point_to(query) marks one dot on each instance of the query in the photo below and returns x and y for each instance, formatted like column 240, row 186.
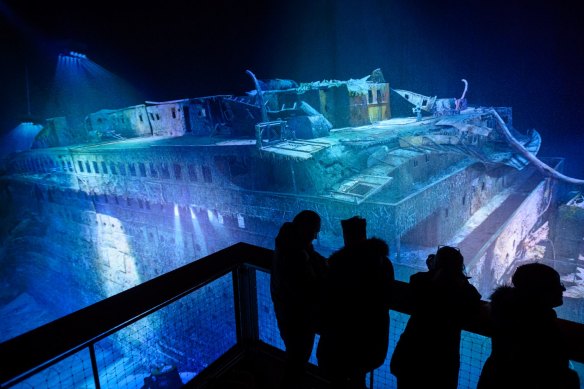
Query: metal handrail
column 42, row 347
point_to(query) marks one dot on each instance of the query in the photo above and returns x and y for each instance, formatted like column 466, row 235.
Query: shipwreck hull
column 108, row 235
column 79, row 224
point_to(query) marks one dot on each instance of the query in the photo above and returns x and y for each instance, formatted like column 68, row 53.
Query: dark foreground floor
column 259, row 368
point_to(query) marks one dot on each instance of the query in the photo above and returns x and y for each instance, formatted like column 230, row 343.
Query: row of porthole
column 129, row 201
column 45, row 165
column 70, row 216
column 40, row 165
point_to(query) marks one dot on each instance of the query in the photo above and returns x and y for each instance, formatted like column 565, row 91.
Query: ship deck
column 383, row 132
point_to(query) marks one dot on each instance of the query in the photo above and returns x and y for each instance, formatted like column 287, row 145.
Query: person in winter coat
column 528, row 349
column 357, row 294
column 298, row 273
column 427, row 354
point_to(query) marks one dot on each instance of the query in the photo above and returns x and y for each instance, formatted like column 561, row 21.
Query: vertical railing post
column 94, row 365
column 246, row 304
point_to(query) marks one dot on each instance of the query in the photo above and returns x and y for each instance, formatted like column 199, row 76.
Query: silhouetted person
column 528, row 350
column 427, row 354
column 296, row 285
column 430, row 262
column 355, row 329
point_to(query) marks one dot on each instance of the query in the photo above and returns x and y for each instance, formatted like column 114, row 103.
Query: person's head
column 449, row 260
column 378, row 247
column 354, row 230
column 307, row 224
column 287, row 238
column 539, row 283
column 430, row 261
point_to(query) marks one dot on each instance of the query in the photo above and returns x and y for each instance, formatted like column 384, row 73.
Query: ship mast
column 260, row 97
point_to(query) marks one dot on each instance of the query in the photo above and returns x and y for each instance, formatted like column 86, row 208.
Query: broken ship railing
column 226, row 296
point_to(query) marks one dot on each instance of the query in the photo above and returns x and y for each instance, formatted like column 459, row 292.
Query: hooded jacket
column 356, row 307
column 528, row 349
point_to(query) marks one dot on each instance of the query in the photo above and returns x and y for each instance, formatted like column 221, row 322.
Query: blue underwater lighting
column 126, row 207
column 71, row 56
column 81, row 87
column 75, row 54
column 20, row 138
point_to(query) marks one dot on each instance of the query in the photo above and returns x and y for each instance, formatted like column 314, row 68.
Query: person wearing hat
column 355, row 326
column 427, row 354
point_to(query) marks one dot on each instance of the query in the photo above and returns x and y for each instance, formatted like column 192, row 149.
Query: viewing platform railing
column 199, row 319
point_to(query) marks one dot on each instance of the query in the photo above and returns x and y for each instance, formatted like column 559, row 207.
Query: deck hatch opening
column 360, row 189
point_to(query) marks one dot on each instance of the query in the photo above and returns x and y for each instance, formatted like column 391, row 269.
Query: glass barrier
column 72, row 372
column 172, row 344
column 179, row 340
column 474, row 349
